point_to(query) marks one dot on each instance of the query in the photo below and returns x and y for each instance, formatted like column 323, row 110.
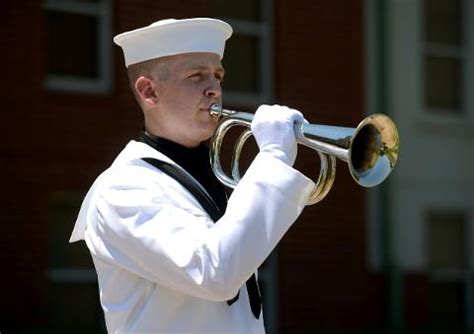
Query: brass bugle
column 370, row 150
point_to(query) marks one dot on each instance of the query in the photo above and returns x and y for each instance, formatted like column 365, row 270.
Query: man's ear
column 145, row 88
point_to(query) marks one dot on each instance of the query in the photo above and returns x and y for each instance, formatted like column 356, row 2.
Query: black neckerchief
column 194, row 160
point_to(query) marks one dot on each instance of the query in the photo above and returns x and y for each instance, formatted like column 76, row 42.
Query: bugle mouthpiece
column 216, row 110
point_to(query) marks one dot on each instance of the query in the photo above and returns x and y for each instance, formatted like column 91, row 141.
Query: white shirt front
column 163, row 265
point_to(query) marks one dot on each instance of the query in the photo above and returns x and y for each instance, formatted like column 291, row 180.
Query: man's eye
column 196, row 76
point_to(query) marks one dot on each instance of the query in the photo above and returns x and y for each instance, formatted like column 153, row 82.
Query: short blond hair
column 156, row 69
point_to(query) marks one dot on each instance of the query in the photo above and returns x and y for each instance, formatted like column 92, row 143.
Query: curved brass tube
column 370, row 150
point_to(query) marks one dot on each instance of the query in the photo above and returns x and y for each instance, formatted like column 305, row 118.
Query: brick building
column 68, row 110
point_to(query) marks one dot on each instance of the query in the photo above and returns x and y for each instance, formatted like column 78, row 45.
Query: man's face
column 193, row 83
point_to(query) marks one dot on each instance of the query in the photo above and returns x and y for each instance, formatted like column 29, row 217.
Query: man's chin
column 208, row 135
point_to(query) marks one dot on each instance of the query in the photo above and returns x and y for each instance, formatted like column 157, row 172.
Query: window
column 78, row 45
column 73, row 293
column 445, row 54
column 248, row 56
column 447, row 257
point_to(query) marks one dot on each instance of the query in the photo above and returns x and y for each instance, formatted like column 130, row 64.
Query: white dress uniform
column 163, row 265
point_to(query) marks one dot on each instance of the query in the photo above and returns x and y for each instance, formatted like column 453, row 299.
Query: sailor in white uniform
column 165, row 263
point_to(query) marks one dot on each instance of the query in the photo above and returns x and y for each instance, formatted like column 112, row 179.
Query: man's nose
column 214, row 89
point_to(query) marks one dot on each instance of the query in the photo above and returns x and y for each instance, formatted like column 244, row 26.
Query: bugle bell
column 370, row 150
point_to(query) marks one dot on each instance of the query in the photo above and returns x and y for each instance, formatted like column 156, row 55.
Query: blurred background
column 395, row 259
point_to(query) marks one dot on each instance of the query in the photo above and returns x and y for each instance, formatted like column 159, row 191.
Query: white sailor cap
column 171, row 37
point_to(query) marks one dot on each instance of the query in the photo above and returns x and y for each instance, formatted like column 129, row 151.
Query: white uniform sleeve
column 140, row 230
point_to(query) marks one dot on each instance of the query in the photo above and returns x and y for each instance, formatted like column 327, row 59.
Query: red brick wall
column 22, row 252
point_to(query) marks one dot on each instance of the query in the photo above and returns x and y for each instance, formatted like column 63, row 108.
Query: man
column 163, row 264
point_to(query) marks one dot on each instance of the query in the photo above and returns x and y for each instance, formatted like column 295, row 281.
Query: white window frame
column 464, row 275
column 102, row 11
column 459, row 120
column 71, row 274
column 76, row 276
column 263, row 31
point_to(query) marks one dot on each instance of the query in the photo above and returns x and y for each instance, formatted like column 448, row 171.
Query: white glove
column 273, row 129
